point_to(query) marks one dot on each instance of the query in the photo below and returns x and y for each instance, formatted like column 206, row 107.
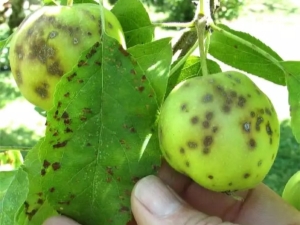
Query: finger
column 153, row 202
column 60, row 220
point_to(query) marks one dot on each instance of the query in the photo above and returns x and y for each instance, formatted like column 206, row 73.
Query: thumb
column 155, row 203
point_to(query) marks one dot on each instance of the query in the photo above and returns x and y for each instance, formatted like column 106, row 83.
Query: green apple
column 221, row 130
column 49, row 43
column 291, row 192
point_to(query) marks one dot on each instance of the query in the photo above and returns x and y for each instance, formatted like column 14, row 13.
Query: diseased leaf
column 155, row 57
column 240, row 56
column 135, row 22
column 13, row 192
column 99, row 138
column 36, row 207
column 191, row 68
column 293, row 83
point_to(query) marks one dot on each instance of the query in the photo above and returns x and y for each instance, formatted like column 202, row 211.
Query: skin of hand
column 175, row 199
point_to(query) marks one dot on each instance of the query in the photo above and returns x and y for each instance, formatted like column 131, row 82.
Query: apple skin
column 49, row 42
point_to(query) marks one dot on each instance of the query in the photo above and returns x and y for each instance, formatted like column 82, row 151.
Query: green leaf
column 36, row 207
column 155, row 60
column 135, row 22
column 293, row 82
column 99, row 138
column 13, row 191
column 5, row 42
column 191, row 68
column 242, row 56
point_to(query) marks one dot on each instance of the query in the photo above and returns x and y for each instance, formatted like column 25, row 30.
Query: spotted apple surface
column 221, row 130
column 49, row 43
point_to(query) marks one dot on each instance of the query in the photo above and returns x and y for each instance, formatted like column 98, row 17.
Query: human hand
column 175, row 199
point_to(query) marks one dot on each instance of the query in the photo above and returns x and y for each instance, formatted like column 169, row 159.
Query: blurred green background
column 21, row 125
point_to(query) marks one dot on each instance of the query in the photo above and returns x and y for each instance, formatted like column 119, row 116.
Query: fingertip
column 60, row 220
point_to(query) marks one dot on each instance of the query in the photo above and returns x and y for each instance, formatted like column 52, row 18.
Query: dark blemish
column 182, row 151
column 40, row 201
column 110, row 26
column 230, row 184
column 42, row 90
column 55, row 166
column 133, row 72
column 226, row 108
column 194, row 120
column 259, row 163
column 258, row 122
column 187, row 164
column 31, row 214
column 80, row 81
column 208, row 140
column 59, row 104
column 262, row 111
column 205, row 124
column 184, row 107
column 270, row 141
column 43, row 172
column 220, row 88
column 192, row 144
column 246, row 127
column 252, row 143
column 206, row 151
column 210, row 177
column 140, row 88
column 89, row 33
column 132, row 130
column 86, row 110
column 71, row 77
column 65, row 115
column 122, row 142
column 233, row 94
column 109, row 170
column 52, row 189
column 83, row 118
column 68, row 130
column 228, row 101
column 241, row 101
column 207, row 98
column 98, row 63
column 268, row 111
column 235, row 46
column 91, row 53
column 252, row 114
column 60, row 144
column 88, row 144
column 67, row 121
column 123, row 51
column 46, row 164
column 82, row 63
column 214, row 129
column 268, row 129
column 52, row 34
column 209, row 115
column 248, row 95
column 124, row 209
column 135, row 179
column 246, row 175
column 143, row 78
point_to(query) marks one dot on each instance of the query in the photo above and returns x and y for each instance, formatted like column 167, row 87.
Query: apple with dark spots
column 221, row 130
column 49, row 42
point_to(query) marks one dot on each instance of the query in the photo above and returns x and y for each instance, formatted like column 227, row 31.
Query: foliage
column 101, row 135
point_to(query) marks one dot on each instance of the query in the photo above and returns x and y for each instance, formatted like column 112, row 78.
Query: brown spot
column 123, row 51
column 132, row 130
column 133, row 72
column 60, row 144
column 52, row 189
column 65, row 115
column 40, row 201
column 209, row 115
column 268, row 129
column 82, row 63
column 241, row 101
column 124, row 209
column 68, row 130
column 55, row 166
column 43, row 172
column 258, row 122
column 80, row 81
column 233, row 94
column 246, row 175
column 42, row 90
column 210, row 177
column 230, row 184
column 192, row 144
column 259, row 163
column 226, row 108
column 194, row 120
column 215, row 129
column 144, row 78
column 205, row 124
column 252, row 143
column 187, row 164
column 252, row 114
column 208, row 140
column 207, row 98
column 46, row 164
column 109, row 170
column 183, row 107
column 140, row 88
column 182, row 151
column 268, row 111
column 71, row 77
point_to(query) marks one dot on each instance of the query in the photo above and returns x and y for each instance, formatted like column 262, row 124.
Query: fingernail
column 159, row 199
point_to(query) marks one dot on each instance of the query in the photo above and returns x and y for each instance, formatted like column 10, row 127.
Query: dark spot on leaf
column 144, row 78
column 40, row 201
column 43, row 172
column 46, row 164
column 60, row 144
column 65, row 115
column 55, row 166
column 123, row 51
column 140, row 88
column 210, row 177
column 194, row 120
column 68, row 130
column 192, row 144
column 209, row 115
column 52, row 189
column 187, row 164
column 252, row 143
column 182, row 151
column 98, row 63
column 80, row 81
column 246, row 175
column 67, row 94
column 67, row 121
column 109, row 170
column 124, row 209
column 205, row 124
column 82, row 63
column 208, row 140
column 70, row 77
column 133, row 72
column 31, row 214
column 132, row 130
column 88, row 144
